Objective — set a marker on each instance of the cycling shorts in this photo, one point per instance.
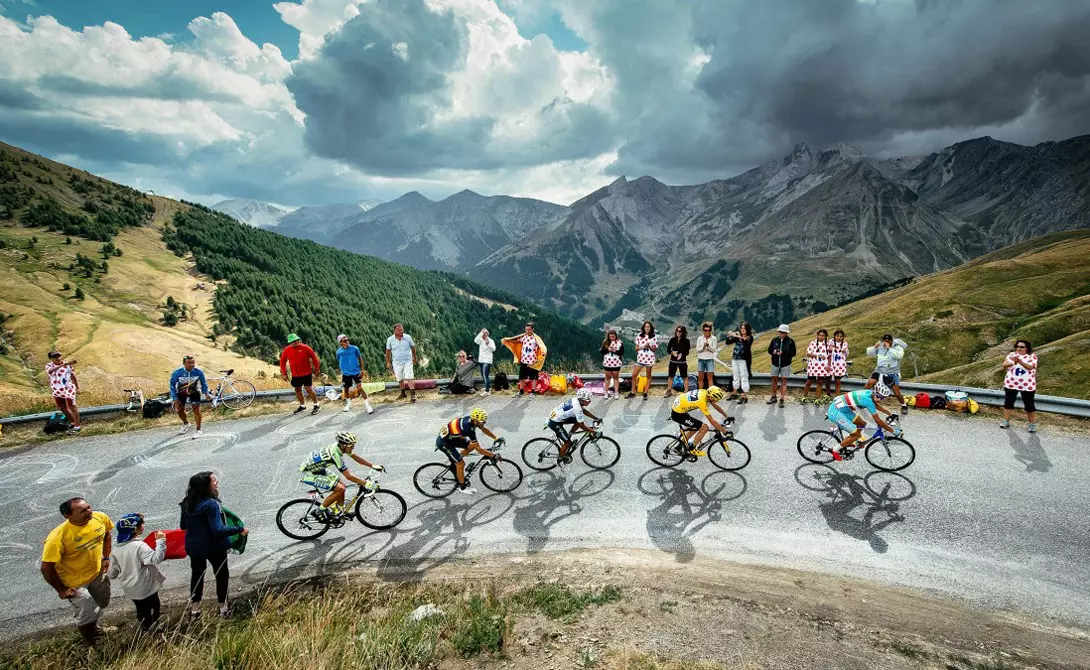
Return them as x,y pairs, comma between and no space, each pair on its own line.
558,428
323,481
844,418
193,398
452,448
688,422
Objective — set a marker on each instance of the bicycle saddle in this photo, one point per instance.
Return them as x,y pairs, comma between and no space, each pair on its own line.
227,372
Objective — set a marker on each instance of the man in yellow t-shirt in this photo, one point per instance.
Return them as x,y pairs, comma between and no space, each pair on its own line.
74,562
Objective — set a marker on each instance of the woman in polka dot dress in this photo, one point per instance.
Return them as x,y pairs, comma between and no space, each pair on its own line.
817,365
65,386
612,359
838,359
1021,367
646,343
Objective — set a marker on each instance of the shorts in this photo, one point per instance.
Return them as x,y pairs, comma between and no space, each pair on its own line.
305,380
323,481
675,369
888,378
686,421
1028,403
89,600
403,371
781,371
612,369
818,378
558,428
191,398
348,381
844,419
450,448
705,365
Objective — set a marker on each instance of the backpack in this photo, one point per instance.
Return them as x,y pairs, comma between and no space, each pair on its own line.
938,402
57,423
642,383
500,383
923,401
574,381
542,385
679,383
154,408
625,386
558,384
974,406
910,400
692,380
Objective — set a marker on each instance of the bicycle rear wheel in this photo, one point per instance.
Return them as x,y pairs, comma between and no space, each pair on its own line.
238,394
665,450
541,453
501,475
385,509
435,480
891,454
295,519
816,446
728,454
601,453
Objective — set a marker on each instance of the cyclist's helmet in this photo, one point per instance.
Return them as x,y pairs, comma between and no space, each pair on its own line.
715,393
583,394
882,390
478,415
346,439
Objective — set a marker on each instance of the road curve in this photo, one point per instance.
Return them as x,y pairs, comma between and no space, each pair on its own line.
996,517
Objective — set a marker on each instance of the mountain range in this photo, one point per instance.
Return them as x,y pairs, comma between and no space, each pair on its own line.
253,212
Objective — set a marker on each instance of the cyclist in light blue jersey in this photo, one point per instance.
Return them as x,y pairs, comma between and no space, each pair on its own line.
847,411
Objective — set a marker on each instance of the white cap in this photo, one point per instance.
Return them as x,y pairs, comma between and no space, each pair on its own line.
784,328
342,336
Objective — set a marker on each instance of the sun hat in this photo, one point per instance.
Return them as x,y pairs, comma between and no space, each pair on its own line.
127,525
342,336
784,328
293,338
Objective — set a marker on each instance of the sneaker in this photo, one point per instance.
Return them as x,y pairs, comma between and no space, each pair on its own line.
904,410
367,406
521,393
347,405
771,401
781,402
412,398
184,429
630,395
732,396
199,433
1032,428
488,392
645,396
403,395
226,611
315,410
1004,424
467,490
301,408
837,455
194,614
743,400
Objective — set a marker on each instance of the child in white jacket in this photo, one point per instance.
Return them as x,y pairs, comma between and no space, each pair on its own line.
133,567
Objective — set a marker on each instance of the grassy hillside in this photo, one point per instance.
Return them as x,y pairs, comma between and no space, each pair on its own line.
961,323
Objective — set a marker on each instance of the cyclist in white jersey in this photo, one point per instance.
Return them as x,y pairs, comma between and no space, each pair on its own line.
847,412
571,412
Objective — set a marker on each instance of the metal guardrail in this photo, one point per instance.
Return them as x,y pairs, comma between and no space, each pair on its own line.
991,397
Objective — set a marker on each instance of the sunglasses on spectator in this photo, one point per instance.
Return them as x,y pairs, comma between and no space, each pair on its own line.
1020,346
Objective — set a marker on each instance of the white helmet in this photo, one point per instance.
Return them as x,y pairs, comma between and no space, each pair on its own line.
583,394
882,390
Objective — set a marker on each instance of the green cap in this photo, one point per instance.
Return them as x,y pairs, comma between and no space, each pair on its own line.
293,338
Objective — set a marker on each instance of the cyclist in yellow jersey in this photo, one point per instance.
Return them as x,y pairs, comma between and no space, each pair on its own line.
698,399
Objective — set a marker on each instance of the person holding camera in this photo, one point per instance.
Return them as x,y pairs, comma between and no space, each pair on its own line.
741,360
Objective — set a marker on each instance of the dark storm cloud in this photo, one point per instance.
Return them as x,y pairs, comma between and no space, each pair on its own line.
54,134
14,95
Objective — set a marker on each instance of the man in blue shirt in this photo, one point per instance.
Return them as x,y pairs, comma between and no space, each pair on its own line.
187,384
350,361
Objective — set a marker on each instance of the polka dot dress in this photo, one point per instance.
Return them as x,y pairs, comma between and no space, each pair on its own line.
645,350
1018,377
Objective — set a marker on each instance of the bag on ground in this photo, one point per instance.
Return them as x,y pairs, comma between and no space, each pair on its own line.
938,402
574,382
974,406
57,423
692,380
154,408
175,543
597,388
641,384
910,400
500,382
558,384
624,386
923,401
678,383
957,401
542,385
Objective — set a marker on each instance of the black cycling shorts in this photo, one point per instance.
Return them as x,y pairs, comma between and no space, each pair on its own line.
350,380
558,428
686,421
193,398
305,380
451,448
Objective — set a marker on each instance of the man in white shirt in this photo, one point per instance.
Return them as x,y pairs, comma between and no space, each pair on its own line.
401,359
486,346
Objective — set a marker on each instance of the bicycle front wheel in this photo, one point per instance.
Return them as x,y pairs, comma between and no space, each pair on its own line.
601,453
541,453
384,509
238,394
665,450
728,454
816,446
295,519
891,454
500,475
435,480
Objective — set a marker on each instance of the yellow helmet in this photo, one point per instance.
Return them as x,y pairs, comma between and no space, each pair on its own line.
715,393
478,415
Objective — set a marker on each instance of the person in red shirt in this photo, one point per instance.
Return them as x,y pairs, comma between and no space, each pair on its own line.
304,365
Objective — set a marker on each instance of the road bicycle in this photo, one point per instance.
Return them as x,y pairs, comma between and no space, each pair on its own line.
884,452
725,452
375,507
596,450
438,480
232,393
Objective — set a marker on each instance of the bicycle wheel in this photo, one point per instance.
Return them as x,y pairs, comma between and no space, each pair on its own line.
435,480
601,453
295,520
385,509
816,446
501,475
238,394
541,453
665,450
728,454
891,454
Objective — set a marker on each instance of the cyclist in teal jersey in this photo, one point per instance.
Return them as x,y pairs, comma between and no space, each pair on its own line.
846,411
323,468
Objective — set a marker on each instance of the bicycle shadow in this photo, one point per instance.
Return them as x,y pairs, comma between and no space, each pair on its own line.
1029,452
878,496
686,508
553,500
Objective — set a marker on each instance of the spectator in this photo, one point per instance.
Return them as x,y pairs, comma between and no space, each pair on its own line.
206,539
133,567
817,365
888,352
304,365
740,358
838,358
646,344
706,350
486,347
350,361
462,382
612,359
782,351
529,351
678,348
188,384
75,559
401,360
1021,378
65,386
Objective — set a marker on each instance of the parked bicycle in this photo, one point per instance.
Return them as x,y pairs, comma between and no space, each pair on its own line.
884,452
438,480
724,451
596,450
232,393
375,507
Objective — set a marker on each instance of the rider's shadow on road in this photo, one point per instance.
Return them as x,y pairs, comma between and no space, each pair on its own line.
773,424
1029,452
860,507
509,417
553,499
686,507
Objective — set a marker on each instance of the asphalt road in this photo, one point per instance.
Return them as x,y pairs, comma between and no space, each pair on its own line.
996,517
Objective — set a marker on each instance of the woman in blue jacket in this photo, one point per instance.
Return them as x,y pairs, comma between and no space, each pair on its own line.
206,539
